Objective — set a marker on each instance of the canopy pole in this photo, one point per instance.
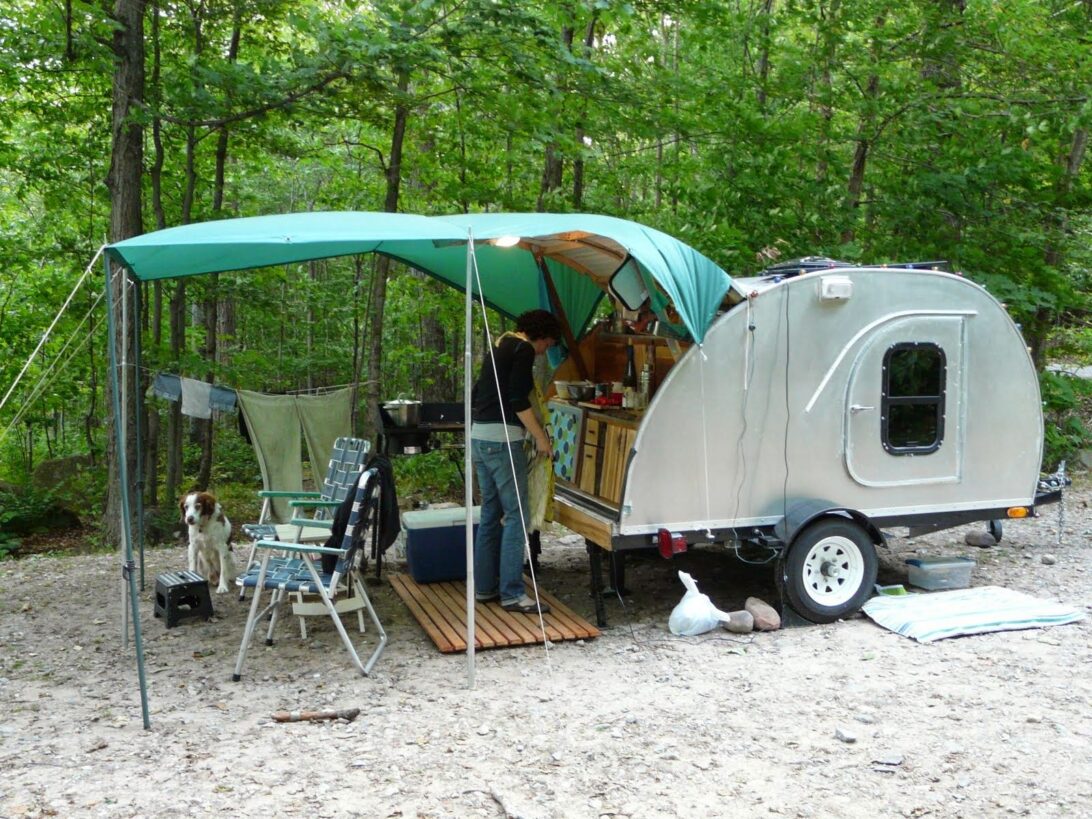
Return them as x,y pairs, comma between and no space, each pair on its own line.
123,479
468,468
138,396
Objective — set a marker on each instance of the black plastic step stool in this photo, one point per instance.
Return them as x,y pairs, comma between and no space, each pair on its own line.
180,595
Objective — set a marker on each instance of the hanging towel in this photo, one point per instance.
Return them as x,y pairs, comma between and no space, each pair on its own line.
324,419
540,472
275,429
222,399
169,388
195,398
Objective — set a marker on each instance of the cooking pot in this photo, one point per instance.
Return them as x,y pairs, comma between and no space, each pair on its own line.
404,411
582,390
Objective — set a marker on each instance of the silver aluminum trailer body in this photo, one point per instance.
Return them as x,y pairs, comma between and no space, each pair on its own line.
822,407
784,402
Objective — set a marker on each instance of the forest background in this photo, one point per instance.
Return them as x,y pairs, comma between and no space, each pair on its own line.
754,131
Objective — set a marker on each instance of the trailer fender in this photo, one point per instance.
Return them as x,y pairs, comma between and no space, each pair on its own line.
801,513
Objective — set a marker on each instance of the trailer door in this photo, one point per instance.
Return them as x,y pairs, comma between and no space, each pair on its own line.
905,403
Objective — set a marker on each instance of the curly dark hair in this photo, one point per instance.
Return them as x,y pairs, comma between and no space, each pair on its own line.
536,324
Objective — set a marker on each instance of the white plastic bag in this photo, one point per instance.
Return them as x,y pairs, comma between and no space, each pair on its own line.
695,613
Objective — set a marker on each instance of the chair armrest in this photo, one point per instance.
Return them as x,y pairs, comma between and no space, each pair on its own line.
284,493
308,523
297,548
321,504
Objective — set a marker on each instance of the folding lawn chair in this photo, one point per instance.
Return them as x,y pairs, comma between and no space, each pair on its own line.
346,461
287,568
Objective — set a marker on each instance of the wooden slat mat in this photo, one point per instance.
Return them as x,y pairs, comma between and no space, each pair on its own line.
440,608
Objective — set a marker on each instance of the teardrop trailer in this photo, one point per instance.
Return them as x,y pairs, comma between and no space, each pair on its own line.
796,414
828,403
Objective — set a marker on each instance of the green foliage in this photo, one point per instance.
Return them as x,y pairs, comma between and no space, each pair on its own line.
737,127
432,477
25,512
1067,404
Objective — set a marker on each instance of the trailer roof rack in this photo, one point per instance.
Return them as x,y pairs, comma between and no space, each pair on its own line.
811,264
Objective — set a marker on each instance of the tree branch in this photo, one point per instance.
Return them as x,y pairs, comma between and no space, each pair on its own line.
257,110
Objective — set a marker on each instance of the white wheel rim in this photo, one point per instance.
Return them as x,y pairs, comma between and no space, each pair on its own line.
833,571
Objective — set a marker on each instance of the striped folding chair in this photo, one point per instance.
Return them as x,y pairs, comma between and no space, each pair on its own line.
288,568
346,460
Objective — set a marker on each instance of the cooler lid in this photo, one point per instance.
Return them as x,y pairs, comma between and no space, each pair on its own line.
434,518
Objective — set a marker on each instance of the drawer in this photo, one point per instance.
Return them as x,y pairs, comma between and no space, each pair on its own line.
589,466
592,431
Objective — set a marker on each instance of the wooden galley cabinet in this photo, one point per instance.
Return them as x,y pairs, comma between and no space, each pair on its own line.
591,448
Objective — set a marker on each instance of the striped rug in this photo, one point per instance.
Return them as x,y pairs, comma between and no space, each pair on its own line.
935,616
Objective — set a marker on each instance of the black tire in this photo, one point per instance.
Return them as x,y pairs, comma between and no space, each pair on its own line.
995,529
830,570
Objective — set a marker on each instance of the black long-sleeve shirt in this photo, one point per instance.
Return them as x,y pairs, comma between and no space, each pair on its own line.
514,360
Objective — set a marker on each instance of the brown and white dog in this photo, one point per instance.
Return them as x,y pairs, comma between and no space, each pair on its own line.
209,533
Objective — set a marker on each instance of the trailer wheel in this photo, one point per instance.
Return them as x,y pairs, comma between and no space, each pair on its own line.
830,570
994,528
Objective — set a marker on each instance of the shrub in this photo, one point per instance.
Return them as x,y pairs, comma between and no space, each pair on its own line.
1066,404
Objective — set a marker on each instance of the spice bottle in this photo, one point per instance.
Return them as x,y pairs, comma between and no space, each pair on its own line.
629,378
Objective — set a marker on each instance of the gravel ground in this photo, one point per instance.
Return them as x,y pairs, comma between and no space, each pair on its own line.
841,720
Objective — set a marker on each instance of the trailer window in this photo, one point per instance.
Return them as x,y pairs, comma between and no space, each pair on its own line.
912,419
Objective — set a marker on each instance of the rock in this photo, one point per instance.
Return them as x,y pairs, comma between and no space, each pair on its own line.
1048,560
59,471
739,622
765,617
845,736
983,540
867,719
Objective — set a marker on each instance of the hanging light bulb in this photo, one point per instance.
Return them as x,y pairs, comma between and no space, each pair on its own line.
506,241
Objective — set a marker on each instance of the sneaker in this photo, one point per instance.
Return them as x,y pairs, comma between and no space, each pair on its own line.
487,598
525,605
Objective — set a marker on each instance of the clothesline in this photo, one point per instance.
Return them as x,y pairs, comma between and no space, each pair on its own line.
199,398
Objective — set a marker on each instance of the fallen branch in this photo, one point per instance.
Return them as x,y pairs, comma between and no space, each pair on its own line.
348,714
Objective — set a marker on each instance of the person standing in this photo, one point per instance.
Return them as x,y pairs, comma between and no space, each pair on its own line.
501,416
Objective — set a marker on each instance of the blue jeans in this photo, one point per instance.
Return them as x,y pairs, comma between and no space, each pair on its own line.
498,547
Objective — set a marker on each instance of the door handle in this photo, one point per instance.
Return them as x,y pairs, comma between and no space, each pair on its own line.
855,408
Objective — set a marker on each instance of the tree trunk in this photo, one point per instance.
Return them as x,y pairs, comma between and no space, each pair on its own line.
1057,224
828,47
358,343
91,419
374,327
553,164
866,126
204,468
212,301
154,417
763,69
123,182
578,161
553,167
174,412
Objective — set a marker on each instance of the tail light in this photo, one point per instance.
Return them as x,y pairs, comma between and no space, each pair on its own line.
670,544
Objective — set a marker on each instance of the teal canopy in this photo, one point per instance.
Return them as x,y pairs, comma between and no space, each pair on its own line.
580,251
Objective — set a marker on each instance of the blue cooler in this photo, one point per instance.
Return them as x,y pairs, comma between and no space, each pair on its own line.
436,543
